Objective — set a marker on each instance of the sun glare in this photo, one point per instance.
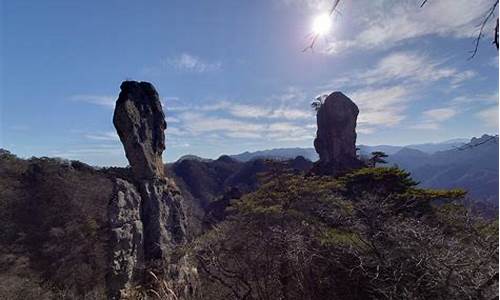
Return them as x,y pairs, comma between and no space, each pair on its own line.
322,24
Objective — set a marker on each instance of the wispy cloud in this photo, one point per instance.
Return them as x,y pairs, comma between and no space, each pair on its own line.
315,5
111,136
467,100
404,67
291,93
102,100
384,24
440,114
433,118
380,106
203,124
239,110
191,63
385,92
489,116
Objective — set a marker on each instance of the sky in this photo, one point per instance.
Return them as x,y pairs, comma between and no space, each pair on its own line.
233,76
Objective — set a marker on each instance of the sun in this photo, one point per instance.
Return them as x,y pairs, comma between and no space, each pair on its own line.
322,24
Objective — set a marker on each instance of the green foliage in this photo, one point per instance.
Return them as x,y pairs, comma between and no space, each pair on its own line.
382,181
370,234
318,102
377,158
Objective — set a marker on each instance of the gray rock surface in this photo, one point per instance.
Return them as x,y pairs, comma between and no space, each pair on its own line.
126,240
140,123
336,134
163,216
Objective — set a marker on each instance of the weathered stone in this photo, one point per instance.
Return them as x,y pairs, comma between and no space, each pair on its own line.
336,135
163,216
140,123
126,239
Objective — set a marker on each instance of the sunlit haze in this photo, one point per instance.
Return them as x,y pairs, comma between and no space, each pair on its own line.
322,24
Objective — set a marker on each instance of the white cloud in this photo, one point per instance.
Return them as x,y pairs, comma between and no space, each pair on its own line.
191,63
103,136
172,120
384,92
243,135
253,111
290,94
383,24
203,124
489,116
380,106
174,131
404,66
106,101
462,77
440,114
433,118
475,99
291,114
493,62
198,123
316,5
248,111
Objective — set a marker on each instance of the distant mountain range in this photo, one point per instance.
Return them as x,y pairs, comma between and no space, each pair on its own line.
459,163
472,166
310,153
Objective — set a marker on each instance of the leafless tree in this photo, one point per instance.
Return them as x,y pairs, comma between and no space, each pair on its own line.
487,17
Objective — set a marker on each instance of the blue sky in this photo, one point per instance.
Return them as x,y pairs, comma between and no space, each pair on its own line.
232,74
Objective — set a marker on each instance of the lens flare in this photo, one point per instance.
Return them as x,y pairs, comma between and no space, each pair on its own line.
322,24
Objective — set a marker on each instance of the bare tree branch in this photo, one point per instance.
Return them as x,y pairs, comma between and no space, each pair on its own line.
483,24
495,41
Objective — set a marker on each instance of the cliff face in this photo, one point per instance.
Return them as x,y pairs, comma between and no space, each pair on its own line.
336,135
126,239
140,123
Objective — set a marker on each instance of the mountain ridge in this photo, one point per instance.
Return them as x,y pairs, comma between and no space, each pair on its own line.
310,153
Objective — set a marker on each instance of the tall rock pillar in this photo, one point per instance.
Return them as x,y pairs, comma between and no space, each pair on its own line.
140,123
336,135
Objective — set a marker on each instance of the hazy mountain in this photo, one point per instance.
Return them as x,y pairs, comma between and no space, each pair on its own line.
435,147
278,153
458,163
310,153
473,167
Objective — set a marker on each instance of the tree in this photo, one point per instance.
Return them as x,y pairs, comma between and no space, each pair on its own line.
313,237
377,158
318,102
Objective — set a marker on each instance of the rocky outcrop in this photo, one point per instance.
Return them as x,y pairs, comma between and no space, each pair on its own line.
126,240
140,124
336,135
163,217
